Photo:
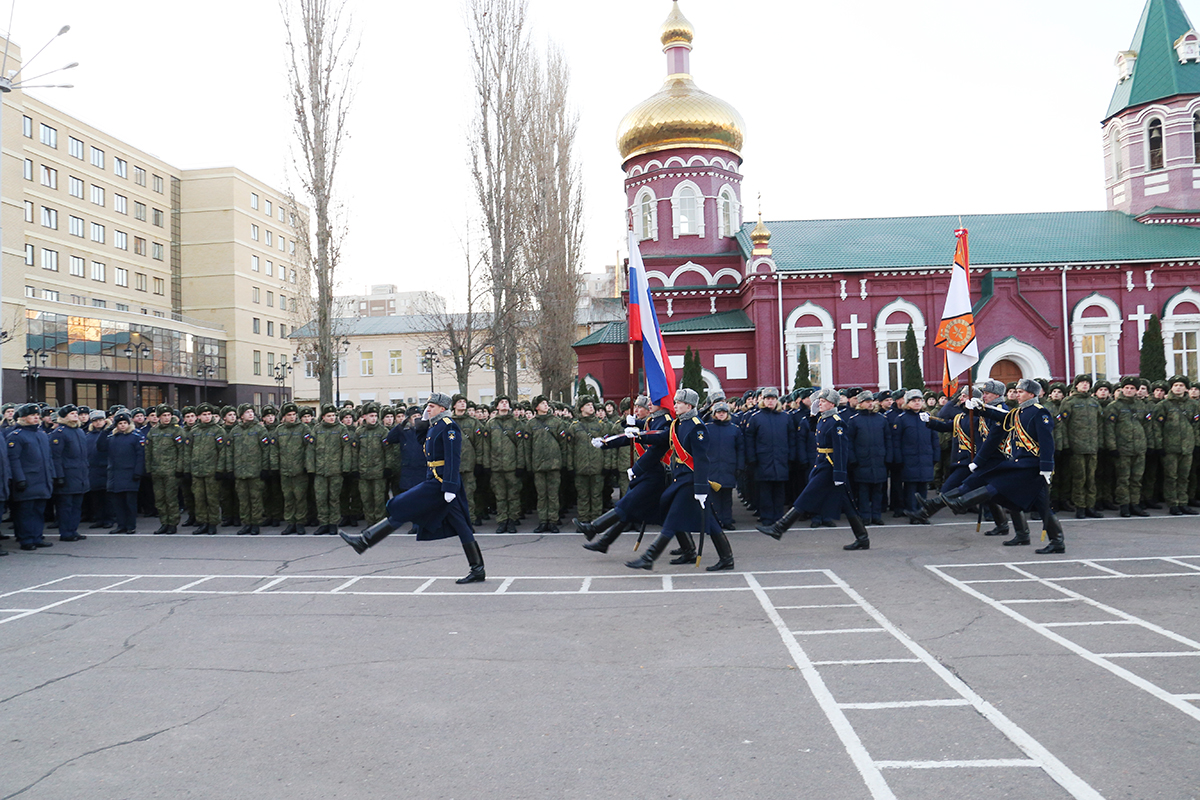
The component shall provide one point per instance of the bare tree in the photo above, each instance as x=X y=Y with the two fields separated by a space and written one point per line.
x=321 y=53
x=465 y=338
x=553 y=223
x=501 y=62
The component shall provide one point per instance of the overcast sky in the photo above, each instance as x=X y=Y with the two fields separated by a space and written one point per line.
x=863 y=109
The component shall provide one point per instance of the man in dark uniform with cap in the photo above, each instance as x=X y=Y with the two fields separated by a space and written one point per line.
x=437 y=505
x=31 y=464
x=68 y=448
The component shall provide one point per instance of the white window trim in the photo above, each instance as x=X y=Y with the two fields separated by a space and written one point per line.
x=1173 y=323
x=896 y=332
x=642 y=235
x=1108 y=326
x=675 y=201
x=822 y=334
x=732 y=220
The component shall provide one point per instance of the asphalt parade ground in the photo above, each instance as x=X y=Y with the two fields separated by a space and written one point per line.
x=939 y=664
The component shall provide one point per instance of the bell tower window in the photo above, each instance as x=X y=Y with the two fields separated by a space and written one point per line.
x=1154 y=139
x=687 y=211
x=1196 y=138
x=645 y=215
x=728 y=213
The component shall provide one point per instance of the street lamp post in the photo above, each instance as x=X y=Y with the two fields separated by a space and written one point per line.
x=280 y=373
x=430 y=360
x=7 y=84
x=142 y=352
x=30 y=372
x=204 y=372
x=337 y=370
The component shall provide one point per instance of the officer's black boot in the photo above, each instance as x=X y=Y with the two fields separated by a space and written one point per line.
x=646 y=559
x=862 y=540
x=370 y=537
x=782 y=524
x=1001 y=520
x=687 y=547
x=1022 y=528
x=928 y=506
x=1055 y=532
x=959 y=503
x=474 y=558
x=724 y=552
x=600 y=523
x=608 y=537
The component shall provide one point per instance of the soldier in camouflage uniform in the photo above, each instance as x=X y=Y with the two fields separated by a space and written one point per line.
x=1060 y=490
x=205 y=456
x=1177 y=417
x=1152 y=478
x=187 y=422
x=272 y=491
x=350 y=502
x=586 y=460
x=545 y=437
x=372 y=455
x=330 y=457
x=249 y=461
x=1080 y=415
x=292 y=438
x=467 y=458
x=1125 y=435
x=164 y=464
x=230 y=513
x=1106 y=473
x=505 y=459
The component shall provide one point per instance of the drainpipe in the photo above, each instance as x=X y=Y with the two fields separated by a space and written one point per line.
x=1066 y=328
x=783 y=382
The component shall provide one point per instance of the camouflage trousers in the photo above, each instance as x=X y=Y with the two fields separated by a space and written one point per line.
x=295 y=498
x=1129 y=478
x=373 y=492
x=588 y=489
x=507 y=488
x=250 y=500
x=327 y=492
x=1176 y=467
x=166 y=498
x=467 y=481
x=1083 y=479
x=208 y=499
x=547 y=484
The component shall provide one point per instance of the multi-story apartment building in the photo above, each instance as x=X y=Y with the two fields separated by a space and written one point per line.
x=129 y=280
x=386 y=300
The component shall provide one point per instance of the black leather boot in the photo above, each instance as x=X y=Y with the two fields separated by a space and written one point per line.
x=254 y=531
x=724 y=552
x=608 y=537
x=959 y=503
x=1001 y=520
x=600 y=523
x=687 y=548
x=1022 y=528
x=370 y=537
x=928 y=506
x=1055 y=532
x=1138 y=511
x=1124 y=510
x=782 y=524
x=474 y=558
x=646 y=559
x=300 y=530
x=245 y=529
x=862 y=540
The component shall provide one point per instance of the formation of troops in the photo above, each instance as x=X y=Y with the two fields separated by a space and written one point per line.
x=1028 y=450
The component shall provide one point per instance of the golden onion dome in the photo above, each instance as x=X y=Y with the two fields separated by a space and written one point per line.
x=677 y=29
x=761 y=234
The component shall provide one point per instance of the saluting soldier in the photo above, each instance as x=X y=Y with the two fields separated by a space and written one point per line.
x=249 y=460
x=372 y=454
x=505 y=458
x=545 y=440
x=1177 y=417
x=330 y=457
x=292 y=438
x=165 y=465
x=205 y=454
x=272 y=491
x=1125 y=436
x=436 y=506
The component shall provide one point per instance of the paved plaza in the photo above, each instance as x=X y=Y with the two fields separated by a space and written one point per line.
x=938 y=664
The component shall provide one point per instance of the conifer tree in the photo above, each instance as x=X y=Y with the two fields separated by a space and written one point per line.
x=1153 y=364
x=692 y=376
x=803 y=380
x=911 y=373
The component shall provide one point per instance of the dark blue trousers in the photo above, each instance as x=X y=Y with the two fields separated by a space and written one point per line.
x=70 y=511
x=29 y=518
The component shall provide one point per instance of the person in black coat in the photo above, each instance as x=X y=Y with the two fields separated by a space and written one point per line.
x=5 y=479
x=869 y=440
x=95 y=501
x=770 y=446
x=917 y=448
x=725 y=458
x=32 y=469
x=126 y=452
x=68 y=449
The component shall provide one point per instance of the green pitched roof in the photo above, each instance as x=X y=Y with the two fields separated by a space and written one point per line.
x=1089 y=237
x=1157 y=74
x=726 y=321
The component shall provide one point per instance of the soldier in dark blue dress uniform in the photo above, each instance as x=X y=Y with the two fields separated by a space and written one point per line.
x=684 y=505
x=826 y=494
x=31 y=464
x=437 y=506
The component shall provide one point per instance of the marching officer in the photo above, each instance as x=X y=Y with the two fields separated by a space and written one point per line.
x=32 y=468
x=165 y=465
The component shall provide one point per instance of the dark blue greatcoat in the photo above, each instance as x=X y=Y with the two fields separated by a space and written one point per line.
x=869 y=437
x=425 y=504
x=1018 y=450
x=725 y=455
x=126 y=461
x=5 y=473
x=412 y=456
x=640 y=503
x=918 y=448
x=30 y=461
x=97 y=460
x=822 y=497
x=805 y=449
x=770 y=444
x=686 y=439
x=69 y=450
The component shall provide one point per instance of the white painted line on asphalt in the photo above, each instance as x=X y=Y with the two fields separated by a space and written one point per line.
x=267 y=586
x=1097 y=565
x=49 y=583
x=667 y=583
x=504 y=584
x=1092 y=622
x=587 y=583
x=905 y=704
x=980 y=762
x=827 y=605
x=79 y=596
x=188 y=586
x=866 y=661
x=421 y=589
x=1040 y=600
x=837 y=630
x=1171 y=654
x=346 y=585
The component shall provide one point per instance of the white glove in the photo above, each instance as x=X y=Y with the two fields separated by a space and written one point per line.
x=839 y=483
x=632 y=432
x=813 y=410
x=631 y=420
x=425 y=415
x=630 y=471
x=973 y=466
x=1047 y=476
x=924 y=415
x=975 y=403
x=597 y=441
x=449 y=496
x=702 y=499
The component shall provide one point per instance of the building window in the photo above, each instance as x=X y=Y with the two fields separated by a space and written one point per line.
x=50 y=260
x=158 y=184
x=728 y=212
x=139 y=246
x=687 y=208
x=254 y=201
x=49 y=218
x=258 y=362
x=27 y=127
x=1092 y=352
x=156 y=216
x=366 y=363
x=98 y=273
x=97 y=233
x=78 y=266
x=488 y=362
x=75 y=187
x=120 y=276
x=98 y=195
x=270 y=268
x=120 y=240
x=1154 y=143
x=120 y=203
x=310 y=365
x=292 y=247
x=267 y=207
x=75 y=147
x=121 y=167
x=267 y=237
x=646 y=216
x=139 y=211
x=281 y=247
x=122 y=306
x=270 y=299
x=270 y=328
x=254 y=263
x=156 y=251
x=50 y=294
x=160 y=285
x=76 y=226
x=77 y=300
x=160 y=314
x=29 y=255
x=29 y=169
x=254 y=232
x=282 y=303
x=49 y=136
x=97 y=157
x=1095 y=336
x=256 y=325
x=139 y=177
x=29 y=211
x=254 y=296
x=30 y=291
x=282 y=331
x=49 y=177
x=98 y=303
x=395 y=362
x=1184 y=352
x=139 y=279
x=292 y=276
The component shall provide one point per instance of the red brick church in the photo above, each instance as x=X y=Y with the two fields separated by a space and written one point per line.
x=1056 y=294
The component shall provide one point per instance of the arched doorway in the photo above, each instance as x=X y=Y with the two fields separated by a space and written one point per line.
x=1005 y=371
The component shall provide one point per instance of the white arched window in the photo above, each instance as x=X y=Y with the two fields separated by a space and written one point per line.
x=1029 y=359
x=1181 y=333
x=687 y=210
x=1118 y=161
x=645 y=215
x=1095 y=335
x=891 y=328
x=729 y=212
x=810 y=328
x=1154 y=145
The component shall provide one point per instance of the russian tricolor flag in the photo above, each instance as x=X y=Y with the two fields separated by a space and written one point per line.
x=643 y=327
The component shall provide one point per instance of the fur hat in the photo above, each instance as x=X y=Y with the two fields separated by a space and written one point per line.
x=441 y=399
x=689 y=396
x=913 y=394
x=1032 y=386
x=991 y=386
